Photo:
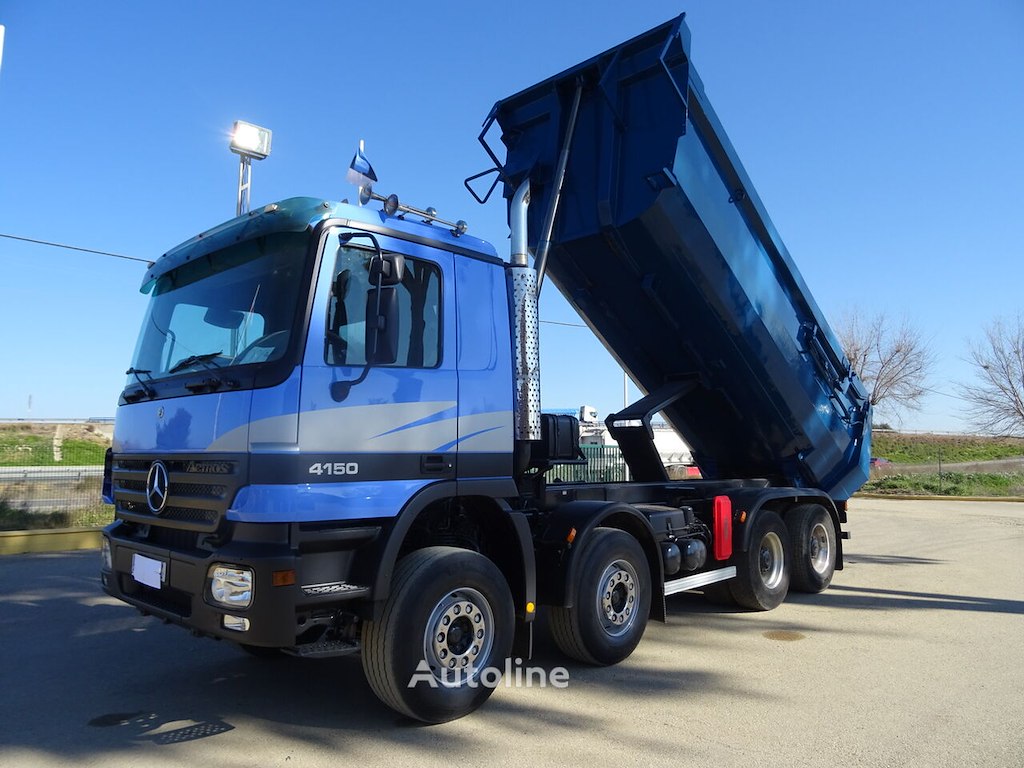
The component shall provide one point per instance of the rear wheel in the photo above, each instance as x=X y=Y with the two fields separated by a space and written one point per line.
x=613 y=600
x=812 y=540
x=719 y=593
x=762 y=572
x=438 y=648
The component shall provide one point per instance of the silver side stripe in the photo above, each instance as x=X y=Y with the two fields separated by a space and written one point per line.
x=699 y=580
x=489 y=432
x=421 y=427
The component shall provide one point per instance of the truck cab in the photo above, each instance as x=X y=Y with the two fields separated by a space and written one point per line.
x=302 y=375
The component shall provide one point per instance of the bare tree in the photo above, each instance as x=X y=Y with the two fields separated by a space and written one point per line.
x=892 y=359
x=997 y=396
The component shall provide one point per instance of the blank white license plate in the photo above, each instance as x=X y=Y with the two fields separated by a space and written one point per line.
x=148 y=571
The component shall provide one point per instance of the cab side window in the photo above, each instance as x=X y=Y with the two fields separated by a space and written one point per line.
x=419 y=311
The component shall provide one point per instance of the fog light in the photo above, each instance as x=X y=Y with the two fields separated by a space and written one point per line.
x=236 y=623
x=231 y=586
x=108 y=560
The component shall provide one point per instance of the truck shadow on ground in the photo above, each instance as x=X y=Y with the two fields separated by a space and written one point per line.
x=103 y=680
x=859 y=559
x=876 y=598
x=691 y=608
x=328 y=703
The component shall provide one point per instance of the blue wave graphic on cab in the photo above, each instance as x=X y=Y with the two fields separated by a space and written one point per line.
x=317 y=503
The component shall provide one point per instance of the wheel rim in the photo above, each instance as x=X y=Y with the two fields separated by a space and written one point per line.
x=458 y=637
x=771 y=560
x=617 y=598
x=820 y=549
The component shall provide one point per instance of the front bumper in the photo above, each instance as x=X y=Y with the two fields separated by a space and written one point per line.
x=298 y=589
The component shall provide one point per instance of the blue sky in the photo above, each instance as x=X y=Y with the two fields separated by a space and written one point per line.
x=885 y=140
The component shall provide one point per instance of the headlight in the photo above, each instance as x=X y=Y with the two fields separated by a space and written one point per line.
x=231 y=586
x=108 y=560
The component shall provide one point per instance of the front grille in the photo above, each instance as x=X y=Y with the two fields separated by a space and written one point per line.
x=199 y=491
x=131 y=465
x=187 y=514
x=207 y=490
x=139 y=511
x=200 y=467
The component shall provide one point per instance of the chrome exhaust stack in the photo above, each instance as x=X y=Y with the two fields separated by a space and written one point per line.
x=522 y=287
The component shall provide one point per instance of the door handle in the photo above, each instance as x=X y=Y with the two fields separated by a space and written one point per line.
x=435 y=463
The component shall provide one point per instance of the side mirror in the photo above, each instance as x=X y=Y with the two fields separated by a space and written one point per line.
x=387 y=269
x=382 y=325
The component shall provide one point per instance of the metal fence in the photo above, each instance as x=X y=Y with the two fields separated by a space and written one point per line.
x=604 y=465
x=51 y=476
x=989 y=478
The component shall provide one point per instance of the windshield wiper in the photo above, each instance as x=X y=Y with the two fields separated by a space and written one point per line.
x=147 y=390
x=205 y=360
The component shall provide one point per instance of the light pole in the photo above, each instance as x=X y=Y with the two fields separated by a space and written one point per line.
x=250 y=142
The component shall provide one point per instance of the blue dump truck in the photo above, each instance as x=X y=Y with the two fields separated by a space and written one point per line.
x=331 y=438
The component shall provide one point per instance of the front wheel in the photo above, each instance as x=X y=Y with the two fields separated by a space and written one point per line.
x=762 y=572
x=812 y=538
x=613 y=600
x=446 y=629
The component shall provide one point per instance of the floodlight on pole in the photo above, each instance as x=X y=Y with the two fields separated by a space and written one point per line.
x=250 y=142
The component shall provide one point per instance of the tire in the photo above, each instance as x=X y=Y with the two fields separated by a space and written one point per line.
x=613 y=601
x=762 y=572
x=812 y=540
x=719 y=593
x=447 y=624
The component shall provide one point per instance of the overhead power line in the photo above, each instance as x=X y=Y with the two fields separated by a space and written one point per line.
x=945 y=394
x=567 y=325
x=75 y=248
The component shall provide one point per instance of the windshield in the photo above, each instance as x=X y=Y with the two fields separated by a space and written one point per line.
x=235 y=306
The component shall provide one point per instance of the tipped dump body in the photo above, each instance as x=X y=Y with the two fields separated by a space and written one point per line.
x=662 y=245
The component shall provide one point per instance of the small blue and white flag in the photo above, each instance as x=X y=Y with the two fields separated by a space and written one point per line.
x=360 y=172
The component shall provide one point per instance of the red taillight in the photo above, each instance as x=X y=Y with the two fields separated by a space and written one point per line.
x=723 y=528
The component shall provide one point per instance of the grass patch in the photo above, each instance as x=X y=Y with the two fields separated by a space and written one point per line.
x=79 y=453
x=949 y=484
x=14 y=517
x=903 y=448
x=24 y=448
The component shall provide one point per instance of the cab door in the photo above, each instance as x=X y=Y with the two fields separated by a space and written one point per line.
x=377 y=433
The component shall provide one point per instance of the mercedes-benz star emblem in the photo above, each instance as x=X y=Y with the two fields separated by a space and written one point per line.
x=157 y=483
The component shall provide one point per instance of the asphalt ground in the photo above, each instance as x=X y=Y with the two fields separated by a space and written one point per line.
x=912 y=658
